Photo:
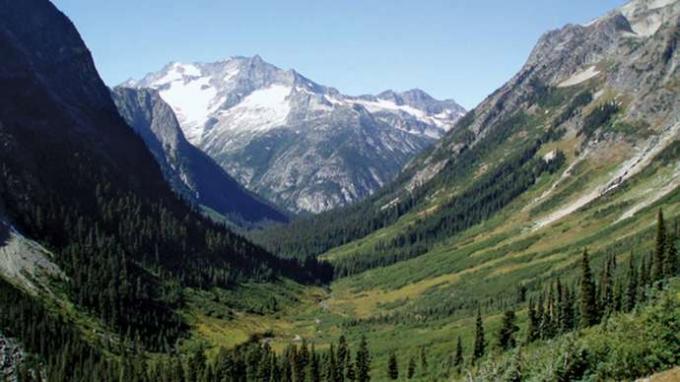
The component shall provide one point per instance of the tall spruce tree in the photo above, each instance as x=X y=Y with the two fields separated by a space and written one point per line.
x=631 y=286
x=393 y=367
x=672 y=266
x=480 y=341
x=533 y=325
x=506 y=333
x=459 y=358
x=660 y=250
x=363 y=361
x=342 y=358
x=411 y=370
x=588 y=298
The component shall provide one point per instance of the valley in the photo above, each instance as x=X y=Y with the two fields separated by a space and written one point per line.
x=233 y=221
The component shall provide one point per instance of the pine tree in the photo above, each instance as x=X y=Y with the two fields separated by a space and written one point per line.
x=568 y=310
x=458 y=358
x=342 y=357
x=314 y=371
x=632 y=286
x=588 y=300
x=350 y=375
x=331 y=366
x=363 y=361
x=660 y=252
x=506 y=333
x=607 y=288
x=533 y=326
x=672 y=266
x=411 y=371
x=480 y=342
x=393 y=367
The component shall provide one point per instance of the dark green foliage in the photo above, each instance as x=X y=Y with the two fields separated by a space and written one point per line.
x=506 y=333
x=533 y=328
x=659 y=259
x=480 y=341
x=631 y=297
x=580 y=100
x=363 y=362
x=481 y=200
x=411 y=370
x=588 y=298
x=66 y=356
x=599 y=117
x=458 y=358
x=672 y=267
x=312 y=236
x=393 y=367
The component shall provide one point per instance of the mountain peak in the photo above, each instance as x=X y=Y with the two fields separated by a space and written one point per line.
x=244 y=112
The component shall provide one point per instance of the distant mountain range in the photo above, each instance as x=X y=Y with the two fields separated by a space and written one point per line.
x=301 y=145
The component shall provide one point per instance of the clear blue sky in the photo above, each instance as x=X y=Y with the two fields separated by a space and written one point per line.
x=461 y=49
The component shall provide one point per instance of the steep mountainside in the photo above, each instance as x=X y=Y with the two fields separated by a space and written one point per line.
x=84 y=203
x=580 y=150
x=598 y=101
x=302 y=145
x=189 y=171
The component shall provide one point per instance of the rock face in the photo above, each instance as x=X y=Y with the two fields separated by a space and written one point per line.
x=627 y=59
x=301 y=145
x=190 y=172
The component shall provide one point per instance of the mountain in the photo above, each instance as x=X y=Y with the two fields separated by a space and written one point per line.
x=301 y=145
x=598 y=101
x=96 y=250
x=189 y=171
x=578 y=152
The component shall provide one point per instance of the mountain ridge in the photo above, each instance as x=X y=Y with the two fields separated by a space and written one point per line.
x=189 y=171
x=292 y=140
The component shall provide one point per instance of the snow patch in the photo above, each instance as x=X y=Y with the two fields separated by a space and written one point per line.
x=192 y=102
x=260 y=111
x=579 y=77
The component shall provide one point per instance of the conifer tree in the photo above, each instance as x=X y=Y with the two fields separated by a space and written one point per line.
x=533 y=326
x=568 y=311
x=632 y=286
x=645 y=279
x=672 y=266
x=660 y=250
x=342 y=357
x=363 y=361
x=331 y=365
x=393 y=367
x=506 y=333
x=459 y=358
x=607 y=287
x=411 y=370
x=314 y=370
x=588 y=300
x=350 y=374
x=480 y=342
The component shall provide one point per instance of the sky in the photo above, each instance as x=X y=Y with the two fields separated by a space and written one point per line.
x=460 y=49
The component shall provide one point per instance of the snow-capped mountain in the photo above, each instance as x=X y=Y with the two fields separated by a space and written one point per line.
x=190 y=172
x=302 y=145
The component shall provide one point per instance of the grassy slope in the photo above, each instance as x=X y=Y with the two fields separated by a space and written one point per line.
x=488 y=261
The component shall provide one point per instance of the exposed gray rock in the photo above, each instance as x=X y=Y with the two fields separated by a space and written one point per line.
x=302 y=145
x=190 y=172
